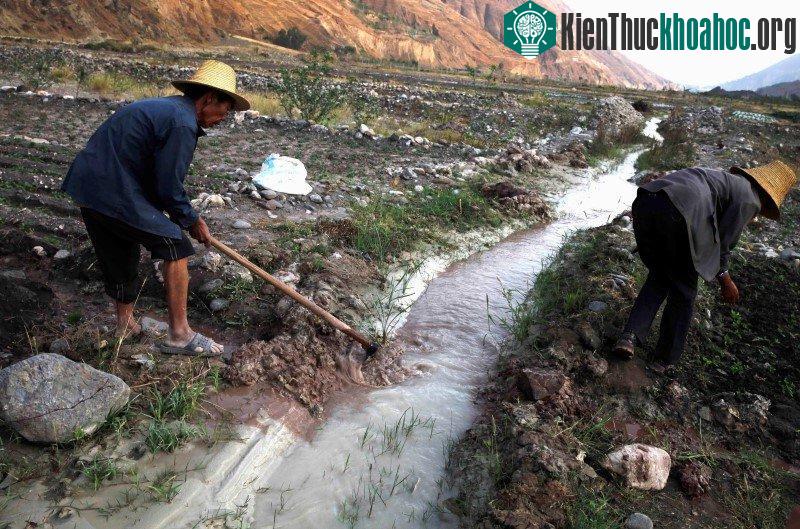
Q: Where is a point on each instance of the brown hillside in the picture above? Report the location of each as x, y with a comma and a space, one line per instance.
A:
432, 33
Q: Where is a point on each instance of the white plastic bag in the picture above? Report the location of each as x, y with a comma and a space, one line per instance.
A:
284, 175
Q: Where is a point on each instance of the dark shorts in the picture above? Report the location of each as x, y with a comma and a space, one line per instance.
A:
117, 246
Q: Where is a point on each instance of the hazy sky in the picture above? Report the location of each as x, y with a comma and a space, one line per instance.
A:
696, 67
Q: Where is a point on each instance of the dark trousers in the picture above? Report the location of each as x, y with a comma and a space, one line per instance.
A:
663, 242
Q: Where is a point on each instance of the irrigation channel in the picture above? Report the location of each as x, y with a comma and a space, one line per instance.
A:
379, 462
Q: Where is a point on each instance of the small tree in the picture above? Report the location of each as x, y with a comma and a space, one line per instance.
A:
309, 89
81, 77
363, 107
292, 38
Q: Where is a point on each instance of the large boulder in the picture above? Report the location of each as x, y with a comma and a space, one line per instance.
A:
49, 398
617, 118
643, 467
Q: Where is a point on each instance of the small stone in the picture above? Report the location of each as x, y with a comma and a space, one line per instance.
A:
597, 306
537, 384
218, 304
315, 198
255, 195
643, 467
144, 360
418, 188
38, 250
210, 286
242, 225
269, 194
59, 346
61, 254
153, 327
638, 521
589, 337
789, 254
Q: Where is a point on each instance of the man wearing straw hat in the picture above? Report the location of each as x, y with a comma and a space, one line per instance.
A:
686, 224
128, 182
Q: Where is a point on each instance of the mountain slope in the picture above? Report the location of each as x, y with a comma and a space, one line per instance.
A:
782, 72
432, 33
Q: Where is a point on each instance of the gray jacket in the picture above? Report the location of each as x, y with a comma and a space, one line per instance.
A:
716, 205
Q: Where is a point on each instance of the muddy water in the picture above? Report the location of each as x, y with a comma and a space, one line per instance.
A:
379, 464
378, 461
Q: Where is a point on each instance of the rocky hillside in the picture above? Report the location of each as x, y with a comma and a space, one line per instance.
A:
450, 33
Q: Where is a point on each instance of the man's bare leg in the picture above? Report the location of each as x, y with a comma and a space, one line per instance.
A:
176, 282
126, 324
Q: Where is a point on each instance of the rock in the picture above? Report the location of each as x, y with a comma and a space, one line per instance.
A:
617, 118
596, 365
48, 398
643, 467
218, 304
315, 198
153, 327
638, 521
59, 346
789, 254
597, 306
211, 261
366, 131
589, 337
210, 286
741, 411
537, 384
237, 272
38, 250
695, 478
144, 360
269, 194
61, 254
272, 205
242, 225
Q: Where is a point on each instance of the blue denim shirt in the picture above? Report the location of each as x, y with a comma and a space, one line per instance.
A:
134, 165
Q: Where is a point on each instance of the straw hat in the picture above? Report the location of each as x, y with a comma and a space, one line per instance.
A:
219, 76
775, 179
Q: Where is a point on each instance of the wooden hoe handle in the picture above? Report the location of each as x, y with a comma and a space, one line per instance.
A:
335, 322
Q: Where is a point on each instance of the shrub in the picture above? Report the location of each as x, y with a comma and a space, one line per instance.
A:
292, 38
309, 90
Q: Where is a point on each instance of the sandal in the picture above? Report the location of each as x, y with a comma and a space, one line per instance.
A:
625, 346
199, 345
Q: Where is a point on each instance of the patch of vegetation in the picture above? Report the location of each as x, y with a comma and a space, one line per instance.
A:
667, 157
100, 469
605, 146
309, 91
590, 510
385, 228
291, 38
117, 84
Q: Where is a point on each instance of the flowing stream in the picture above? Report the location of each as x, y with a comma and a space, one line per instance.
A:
378, 461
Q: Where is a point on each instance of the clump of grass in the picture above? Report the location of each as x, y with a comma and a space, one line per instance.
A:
182, 401
591, 510
116, 84
605, 146
164, 487
167, 437
384, 228
667, 156
100, 469
266, 104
